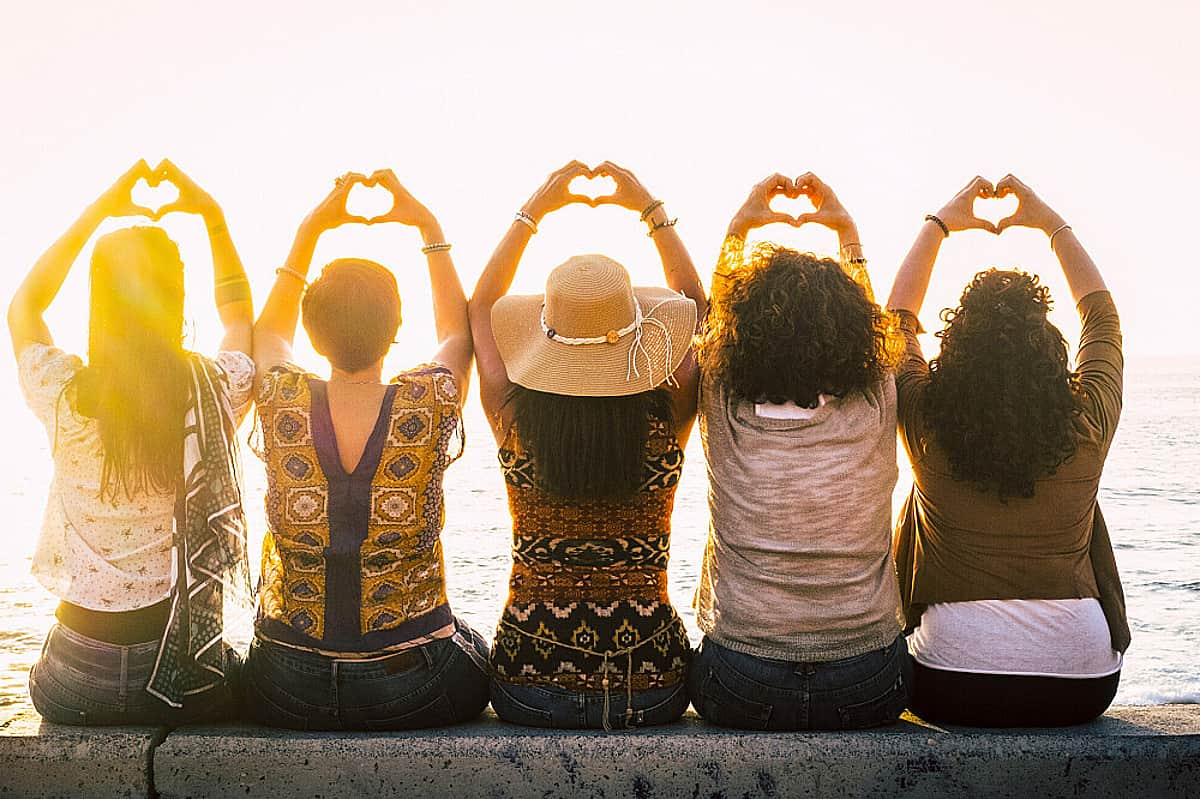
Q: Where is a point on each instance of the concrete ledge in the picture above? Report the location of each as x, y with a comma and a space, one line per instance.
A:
49, 760
1143, 752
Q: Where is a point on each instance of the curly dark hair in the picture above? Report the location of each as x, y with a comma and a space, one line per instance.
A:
1002, 399
792, 326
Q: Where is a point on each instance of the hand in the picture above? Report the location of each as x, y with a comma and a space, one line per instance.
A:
756, 211
405, 208
117, 200
630, 193
192, 199
1031, 211
331, 212
829, 209
555, 192
959, 213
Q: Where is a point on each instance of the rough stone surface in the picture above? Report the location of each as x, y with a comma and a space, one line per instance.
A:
49, 760
1142, 752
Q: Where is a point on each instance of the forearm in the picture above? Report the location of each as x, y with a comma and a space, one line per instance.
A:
1083, 276
281, 312
912, 281
501, 268
234, 305
449, 300
44, 280
678, 269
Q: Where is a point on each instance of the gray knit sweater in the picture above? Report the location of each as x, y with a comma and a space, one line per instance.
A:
798, 562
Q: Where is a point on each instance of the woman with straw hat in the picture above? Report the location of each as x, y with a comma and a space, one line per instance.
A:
590, 389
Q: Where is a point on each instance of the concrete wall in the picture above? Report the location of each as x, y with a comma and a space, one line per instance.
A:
1141, 752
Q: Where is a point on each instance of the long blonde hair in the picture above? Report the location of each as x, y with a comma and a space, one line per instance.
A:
135, 384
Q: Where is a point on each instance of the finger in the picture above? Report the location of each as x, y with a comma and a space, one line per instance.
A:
381, 175
169, 208
777, 184
808, 183
1009, 185
604, 199
982, 187
983, 224
772, 217
574, 169
141, 210
1007, 222
362, 220
804, 219
611, 170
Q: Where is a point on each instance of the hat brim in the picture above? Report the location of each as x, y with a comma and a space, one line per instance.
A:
538, 362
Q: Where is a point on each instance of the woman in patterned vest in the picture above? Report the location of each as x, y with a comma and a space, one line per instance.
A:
354, 629
590, 390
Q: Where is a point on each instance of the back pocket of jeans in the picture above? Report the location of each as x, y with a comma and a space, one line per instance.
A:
725, 706
514, 711
437, 712
875, 712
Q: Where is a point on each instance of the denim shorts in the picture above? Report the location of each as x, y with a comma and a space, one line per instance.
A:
733, 689
552, 706
433, 685
82, 681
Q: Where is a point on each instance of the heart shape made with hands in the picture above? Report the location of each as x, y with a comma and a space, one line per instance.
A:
993, 209
791, 203
155, 194
593, 186
369, 200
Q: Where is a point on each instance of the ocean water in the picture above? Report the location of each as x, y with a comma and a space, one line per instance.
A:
1150, 494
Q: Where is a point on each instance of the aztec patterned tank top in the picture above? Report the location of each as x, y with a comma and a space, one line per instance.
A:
588, 608
352, 562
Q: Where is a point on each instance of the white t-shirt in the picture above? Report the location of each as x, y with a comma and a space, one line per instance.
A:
102, 554
1031, 637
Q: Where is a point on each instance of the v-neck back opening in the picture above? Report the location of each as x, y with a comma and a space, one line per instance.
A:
325, 435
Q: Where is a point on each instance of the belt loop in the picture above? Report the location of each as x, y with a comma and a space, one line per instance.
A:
124, 692
424, 649
333, 687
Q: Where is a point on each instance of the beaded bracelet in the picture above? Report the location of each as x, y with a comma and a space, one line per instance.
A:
659, 227
527, 220
651, 208
939, 223
437, 246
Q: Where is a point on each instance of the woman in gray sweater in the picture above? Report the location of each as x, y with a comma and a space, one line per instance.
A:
797, 597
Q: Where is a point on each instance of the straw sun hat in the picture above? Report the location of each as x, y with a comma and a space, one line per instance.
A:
592, 334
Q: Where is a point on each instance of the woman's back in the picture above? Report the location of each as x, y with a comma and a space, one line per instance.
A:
797, 564
590, 575
353, 561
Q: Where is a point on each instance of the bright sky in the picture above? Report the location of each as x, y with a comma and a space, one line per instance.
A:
894, 105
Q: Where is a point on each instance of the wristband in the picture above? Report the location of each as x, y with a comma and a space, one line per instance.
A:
232, 291
1056, 232
287, 270
939, 223
527, 220
437, 246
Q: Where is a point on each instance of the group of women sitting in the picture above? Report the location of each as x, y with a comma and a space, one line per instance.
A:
995, 599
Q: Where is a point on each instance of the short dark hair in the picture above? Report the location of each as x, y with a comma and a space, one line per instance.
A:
793, 326
352, 312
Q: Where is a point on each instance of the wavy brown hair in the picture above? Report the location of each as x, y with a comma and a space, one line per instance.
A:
1002, 399
135, 384
588, 448
792, 326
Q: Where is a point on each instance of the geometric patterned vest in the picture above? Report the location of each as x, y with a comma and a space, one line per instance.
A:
352, 562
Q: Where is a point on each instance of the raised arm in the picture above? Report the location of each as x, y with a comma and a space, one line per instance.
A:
497, 277
230, 287
26, 324
1081, 272
912, 281
275, 329
678, 271
450, 319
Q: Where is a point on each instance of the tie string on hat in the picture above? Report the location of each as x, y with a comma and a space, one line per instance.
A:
636, 327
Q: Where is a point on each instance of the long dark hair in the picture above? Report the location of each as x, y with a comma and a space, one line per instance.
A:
793, 326
1002, 399
136, 384
590, 448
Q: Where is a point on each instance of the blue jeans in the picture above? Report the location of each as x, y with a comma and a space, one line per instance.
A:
433, 685
551, 706
82, 681
732, 689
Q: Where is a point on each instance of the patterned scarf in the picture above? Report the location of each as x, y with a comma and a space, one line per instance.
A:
209, 547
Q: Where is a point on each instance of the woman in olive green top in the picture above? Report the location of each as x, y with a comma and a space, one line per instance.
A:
1007, 576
